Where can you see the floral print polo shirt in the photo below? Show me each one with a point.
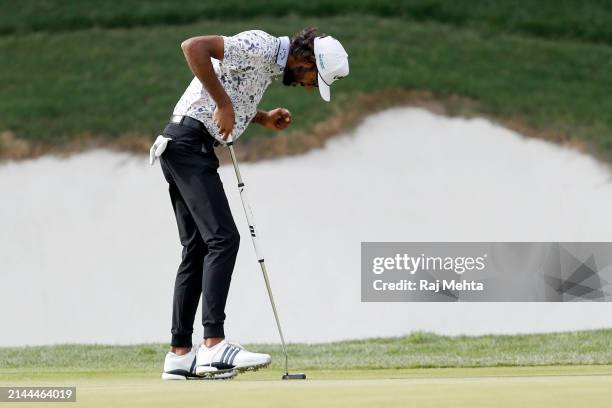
(251, 59)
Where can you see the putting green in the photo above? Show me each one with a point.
(501, 387)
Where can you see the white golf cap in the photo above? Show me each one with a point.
(332, 63)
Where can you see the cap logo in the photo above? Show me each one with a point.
(321, 61)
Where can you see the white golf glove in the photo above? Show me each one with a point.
(158, 148)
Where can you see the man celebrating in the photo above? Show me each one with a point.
(231, 75)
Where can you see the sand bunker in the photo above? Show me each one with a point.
(89, 246)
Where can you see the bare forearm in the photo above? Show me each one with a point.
(260, 117)
(198, 57)
(277, 119)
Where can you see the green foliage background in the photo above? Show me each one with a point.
(106, 68)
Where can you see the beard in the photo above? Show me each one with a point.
(292, 76)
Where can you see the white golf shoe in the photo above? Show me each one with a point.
(183, 368)
(227, 357)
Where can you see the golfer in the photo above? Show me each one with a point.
(231, 75)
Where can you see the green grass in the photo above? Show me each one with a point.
(113, 82)
(584, 20)
(419, 350)
(65, 83)
(558, 387)
(545, 370)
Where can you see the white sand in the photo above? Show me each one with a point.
(89, 246)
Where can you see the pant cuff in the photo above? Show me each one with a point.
(213, 330)
(181, 340)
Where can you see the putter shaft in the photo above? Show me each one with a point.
(249, 216)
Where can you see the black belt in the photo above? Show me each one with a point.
(192, 123)
(188, 121)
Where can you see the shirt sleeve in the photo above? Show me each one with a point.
(247, 50)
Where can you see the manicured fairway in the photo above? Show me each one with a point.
(558, 370)
(499, 387)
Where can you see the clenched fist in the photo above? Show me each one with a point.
(278, 119)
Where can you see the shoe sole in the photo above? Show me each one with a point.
(253, 367)
(256, 367)
(214, 377)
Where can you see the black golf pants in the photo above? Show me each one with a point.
(207, 232)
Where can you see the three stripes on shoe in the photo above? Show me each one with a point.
(227, 358)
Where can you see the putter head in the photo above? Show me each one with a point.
(288, 376)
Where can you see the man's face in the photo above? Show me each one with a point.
(300, 73)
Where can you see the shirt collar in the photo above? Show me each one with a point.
(283, 52)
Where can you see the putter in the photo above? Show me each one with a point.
(260, 260)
